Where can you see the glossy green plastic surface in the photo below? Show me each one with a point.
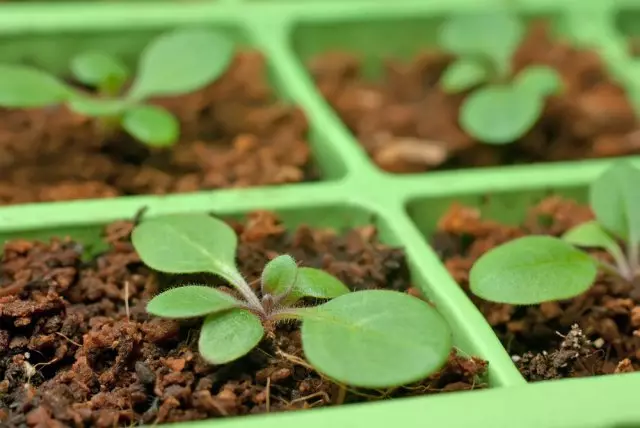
(352, 190)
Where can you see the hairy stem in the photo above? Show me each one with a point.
(341, 395)
(289, 314)
(241, 285)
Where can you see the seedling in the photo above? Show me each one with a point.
(536, 269)
(372, 339)
(178, 62)
(504, 107)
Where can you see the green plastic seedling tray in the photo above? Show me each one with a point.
(353, 191)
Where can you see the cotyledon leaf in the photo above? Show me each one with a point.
(375, 338)
(532, 270)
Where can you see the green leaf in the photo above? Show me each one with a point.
(591, 234)
(279, 275)
(463, 74)
(499, 114)
(229, 335)
(539, 80)
(494, 35)
(532, 270)
(154, 126)
(98, 107)
(188, 243)
(316, 283)
(615, 201)
(375, 339)
(26, 87)
(96, 68)
(190, 301)
(180, 62)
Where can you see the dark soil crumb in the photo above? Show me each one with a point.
(407, 124)
(72, 356)
(543, 366)
(608, 313)
(234, 134)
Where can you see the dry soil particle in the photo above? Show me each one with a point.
(234, 134)
(72, 354)
(406, 123)
(608, 313)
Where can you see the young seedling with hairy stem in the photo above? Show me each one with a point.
(175, 63)
(372, 339)
(536, 269)
(501, 108)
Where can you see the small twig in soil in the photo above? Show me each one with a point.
(295, 360)
(383, 394)
(461, 352)
(126, 300)
(315, 394)
(69, 340)
(341, 395)
(268, 397)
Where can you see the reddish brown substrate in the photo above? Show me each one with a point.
(408, 124)
(608, 313)
(234, 134)
(70, 355)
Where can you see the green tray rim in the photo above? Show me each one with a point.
(269, 24)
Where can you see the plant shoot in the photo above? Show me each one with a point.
(536, 269)
(175, 63)
(372, 339)
(500, 107)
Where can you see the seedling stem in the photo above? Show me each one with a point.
(341, 328)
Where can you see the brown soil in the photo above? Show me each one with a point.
(72, 354)
(608, 313)
(408, 124)
(234, 134)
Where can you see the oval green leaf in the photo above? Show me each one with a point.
(151, 125)
(317, 283)
(190, 301)
(375, 339)
(532, 270)
(494, 35)
(97, 107)
(26, 87)
(279, 275)
(462, 75)
(615, 201)
(539, 81)
(180, 62)
(96, 68)
(499, 114)
(591, 234)
(187, 243)
(229, 335)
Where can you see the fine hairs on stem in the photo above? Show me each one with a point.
(196, 243)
